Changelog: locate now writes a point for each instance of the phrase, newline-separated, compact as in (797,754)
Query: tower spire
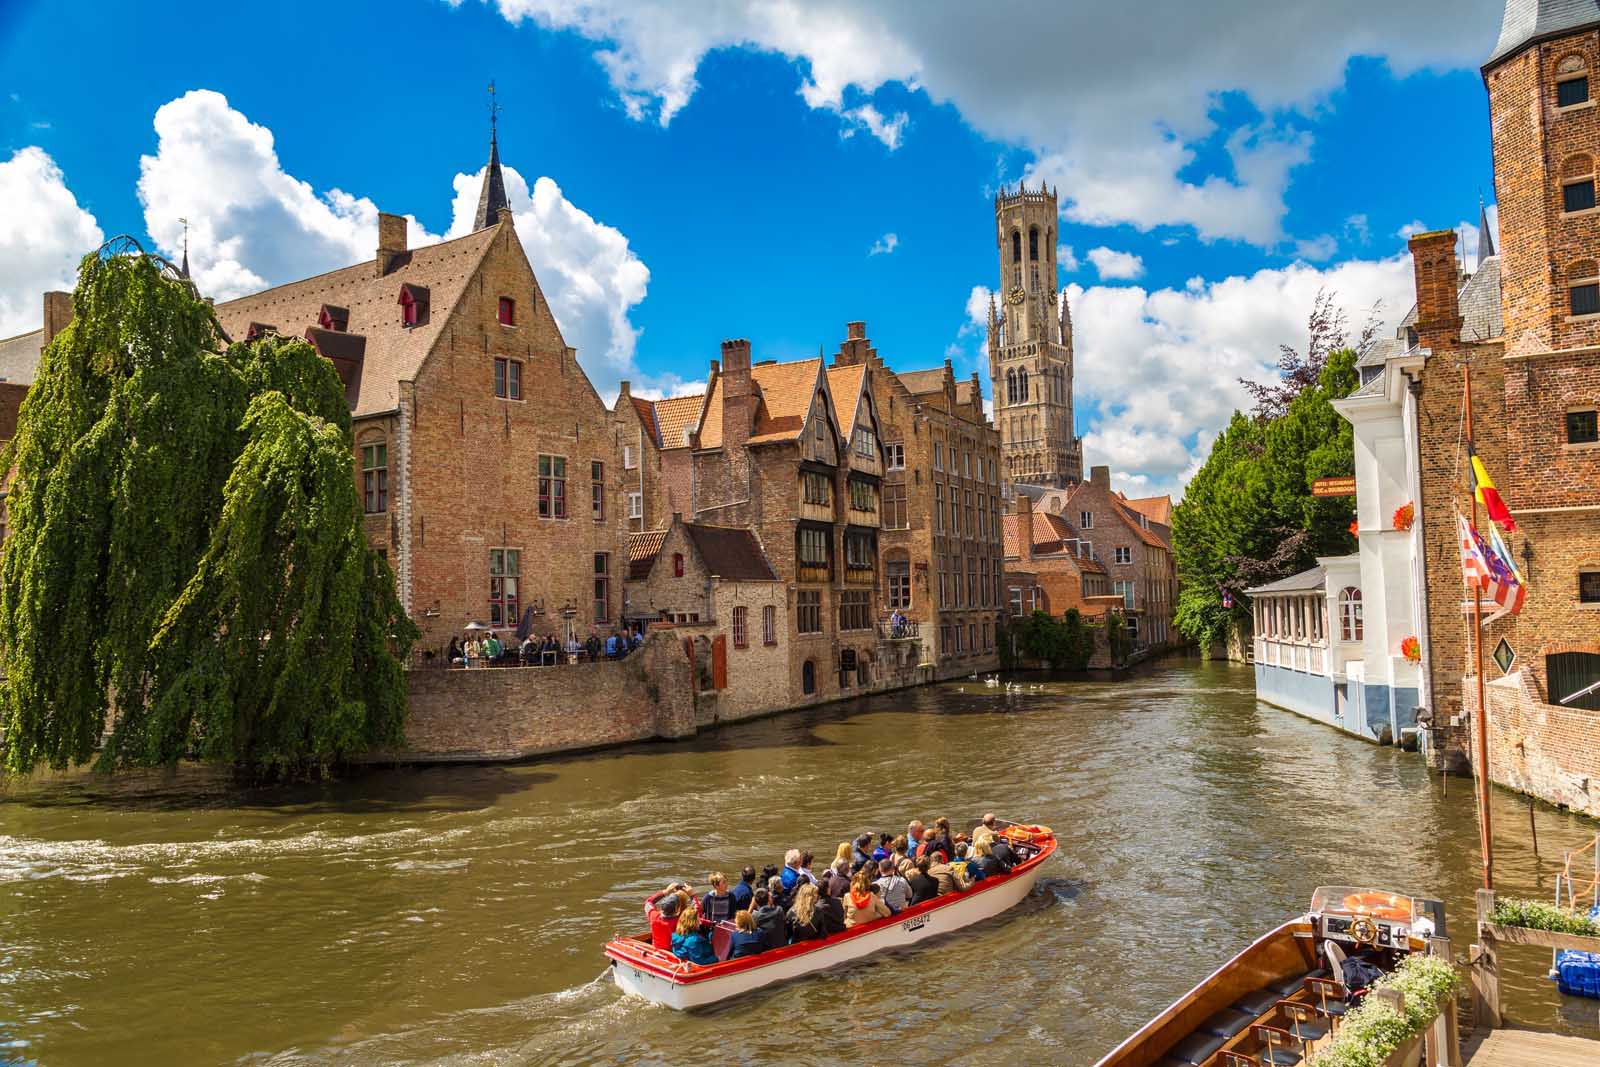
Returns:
(1485,238)
(183,269)
(493,196)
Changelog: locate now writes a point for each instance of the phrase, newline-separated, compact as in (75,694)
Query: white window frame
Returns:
(629,460)
(1123,554)
(1085,520)
(635,505)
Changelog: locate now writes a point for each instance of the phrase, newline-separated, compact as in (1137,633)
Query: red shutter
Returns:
(719,662)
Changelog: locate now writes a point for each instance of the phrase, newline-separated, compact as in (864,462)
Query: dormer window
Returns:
(333,317)
(258,330)
(413,305)
(508,311)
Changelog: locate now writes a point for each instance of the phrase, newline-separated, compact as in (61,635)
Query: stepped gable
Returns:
(730,553)
(393,352)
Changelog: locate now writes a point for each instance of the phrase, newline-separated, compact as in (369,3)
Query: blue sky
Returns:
(725,168)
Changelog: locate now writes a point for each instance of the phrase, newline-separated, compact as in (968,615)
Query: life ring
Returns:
(1389,906)
(1026,833)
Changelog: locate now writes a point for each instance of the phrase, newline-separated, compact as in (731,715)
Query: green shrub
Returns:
(1537,915)
(1371,1033)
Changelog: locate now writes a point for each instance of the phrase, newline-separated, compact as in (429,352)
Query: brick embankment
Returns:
(1545,750)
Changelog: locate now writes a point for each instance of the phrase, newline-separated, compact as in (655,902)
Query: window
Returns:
(1033,242)
(1582,428)
(1572,91)
(808,613)
(552,487)
(1085,520)
(811,551)
(983,516)
(602,586)
(375,478)
(861,496)
(1589,587)
(1124,590)
(955,511)
(897,573)
(505,569)
(938,456)
(972,637)
(508,378)
(1016,246)
(1038,598)
(628,460)
(855,610)
(769,625)
(1578,195)
(859,551)
(1350,614)
(897,456)
(866,443)
(808,677)
(1124,555)
(815,488)
(597,490)
(895,514)
(1016,601)
(677,564)
(988,636)
(1571,673)
(1584,288)
(413,305)
(741,624)
(938,507)
(508,311)
(635,505)
(972,581)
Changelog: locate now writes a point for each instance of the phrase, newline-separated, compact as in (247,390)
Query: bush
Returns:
(1064,644)
(1372,1032)
(1537,915)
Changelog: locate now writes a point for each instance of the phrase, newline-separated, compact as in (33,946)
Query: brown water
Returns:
(456,915)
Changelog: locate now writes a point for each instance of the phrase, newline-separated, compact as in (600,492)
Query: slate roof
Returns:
(783,392)
(1378,352)
(19,357)
(1480,303)
(394,352)
(642,551)
(730,553)
(1304,582)
(1529,21)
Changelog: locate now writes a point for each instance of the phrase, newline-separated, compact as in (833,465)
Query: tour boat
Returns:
(1275,1001)
(643,970)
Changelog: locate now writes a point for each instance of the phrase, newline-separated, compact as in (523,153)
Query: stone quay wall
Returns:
(1545,750)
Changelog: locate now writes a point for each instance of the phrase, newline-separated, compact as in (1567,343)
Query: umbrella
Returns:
(477,627)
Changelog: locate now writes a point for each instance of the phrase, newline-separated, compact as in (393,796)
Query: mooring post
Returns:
(1485,968)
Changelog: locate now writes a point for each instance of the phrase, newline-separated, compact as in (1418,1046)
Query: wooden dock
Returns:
(1529,1048)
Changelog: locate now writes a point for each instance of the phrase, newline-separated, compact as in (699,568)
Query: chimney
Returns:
(1024,526)
(57,313)
(856,349)
(1100,476)
(855,331)
(1433,259)
(391,239)
(738,405)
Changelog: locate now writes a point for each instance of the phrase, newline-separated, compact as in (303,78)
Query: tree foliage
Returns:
(186,565)
(1248,516)
(1064,644)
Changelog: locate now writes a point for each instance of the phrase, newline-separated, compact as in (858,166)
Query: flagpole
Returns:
(1485,835)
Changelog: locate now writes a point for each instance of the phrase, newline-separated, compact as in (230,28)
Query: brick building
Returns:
(1051,567)
(940,540)
(657,471)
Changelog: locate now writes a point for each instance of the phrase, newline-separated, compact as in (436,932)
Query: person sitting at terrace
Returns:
(494,648)
(744,889)
(593,646)
(746,941)
(718,905)
(690,943)
(637,639)
(769,921)
(896,890)
(923,887)
(885,846)
(863,904)
(528,651)
(661,911)
(804,924)
(613,645)
(572,648)
(456,654)
(861,852)
(950,880)
(790,875)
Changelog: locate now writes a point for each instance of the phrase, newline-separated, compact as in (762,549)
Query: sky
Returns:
(685,171)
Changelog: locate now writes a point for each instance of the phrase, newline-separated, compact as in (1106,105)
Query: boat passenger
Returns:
(804,924)
(862,904)
(964,863)
(885,846)
(939,839)
(987,825)
(904,862)
(718,905)
(690,943)
(896,890)
(950,880)
(1004,853)
(836,879)
(923,887)
(914,838)
(661,909)
(775,891)
(807,858)
(769,921)
(830,913)
(861,852)
(744,890)
(790,875)
(986,861)
(745,940)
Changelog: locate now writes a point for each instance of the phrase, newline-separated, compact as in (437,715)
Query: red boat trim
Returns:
(663,964)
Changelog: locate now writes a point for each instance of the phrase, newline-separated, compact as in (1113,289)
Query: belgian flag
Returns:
(1483,488)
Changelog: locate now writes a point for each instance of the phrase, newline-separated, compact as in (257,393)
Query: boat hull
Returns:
(644,973)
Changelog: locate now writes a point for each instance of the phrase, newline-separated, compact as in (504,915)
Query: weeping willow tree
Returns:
(186,573)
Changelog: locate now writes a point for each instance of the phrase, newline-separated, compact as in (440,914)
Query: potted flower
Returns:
(1404,516)
(1411,649)
(1355,527)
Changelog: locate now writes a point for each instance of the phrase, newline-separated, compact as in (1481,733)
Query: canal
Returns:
(456,915)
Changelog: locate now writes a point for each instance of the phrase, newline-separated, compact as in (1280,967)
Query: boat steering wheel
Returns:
(1363,930)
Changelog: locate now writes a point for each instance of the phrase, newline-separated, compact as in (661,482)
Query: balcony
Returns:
(904,631)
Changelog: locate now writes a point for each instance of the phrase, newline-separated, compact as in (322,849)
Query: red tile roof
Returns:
(676,418)
(783,392)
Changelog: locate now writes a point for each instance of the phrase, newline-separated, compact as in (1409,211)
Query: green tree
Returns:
(186,564)
(1064,644)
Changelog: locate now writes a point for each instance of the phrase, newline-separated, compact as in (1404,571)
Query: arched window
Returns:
(1022,385)
(1350,614)
(1011,386)
(1033,243)
(1572,81)
(1577,183)
(808,677)
(1016,246)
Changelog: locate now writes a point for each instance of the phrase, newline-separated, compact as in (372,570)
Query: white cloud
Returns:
(1114,265)
(1111,103)
(43,234)
(1066,259)
(1411,229)
(979,301)
(1358,229)
(884,245)
(1317,249)
(869,118)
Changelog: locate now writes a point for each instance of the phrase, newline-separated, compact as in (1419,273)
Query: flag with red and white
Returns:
(1485,570)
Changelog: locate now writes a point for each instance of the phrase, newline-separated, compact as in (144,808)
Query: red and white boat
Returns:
(646,971)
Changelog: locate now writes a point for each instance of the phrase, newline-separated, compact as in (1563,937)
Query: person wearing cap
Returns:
(661,909)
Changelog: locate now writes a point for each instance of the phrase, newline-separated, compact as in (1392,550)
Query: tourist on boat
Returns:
(861,852)
(776,893)
(661,909)
(835,881)
(914,838)
(863,904)
(718,905)
(830,913)
(950,880)
(790,875)
(769,920)
(963,863)
(904,862)
(1004,853)
(746,941)
(885,846)
(923,887)
(987,824)
(807,858)
(896,891)
(744,889)
(938,839)
(690,943)
(986,861)
(803,922)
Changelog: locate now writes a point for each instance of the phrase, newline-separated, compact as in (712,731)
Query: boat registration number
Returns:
(913,925)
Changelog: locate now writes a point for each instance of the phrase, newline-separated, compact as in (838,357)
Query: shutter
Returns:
(719,662)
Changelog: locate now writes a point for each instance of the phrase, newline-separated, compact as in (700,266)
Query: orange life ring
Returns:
(1389,906)
(1026,833)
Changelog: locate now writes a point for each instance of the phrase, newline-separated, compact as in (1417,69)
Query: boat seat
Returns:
(1196,1048)
(722,939)
(1302,1019)
(1228,1022)
(1171,1061)
(1256,1004)
(1290,986)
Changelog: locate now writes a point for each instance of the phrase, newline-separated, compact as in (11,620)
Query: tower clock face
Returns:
(1016,296)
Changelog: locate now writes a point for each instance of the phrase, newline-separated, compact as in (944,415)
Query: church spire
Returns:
(493,196)
(183,269)
(1485,238)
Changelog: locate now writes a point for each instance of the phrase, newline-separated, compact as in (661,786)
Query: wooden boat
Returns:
(1279,999)
(643,970)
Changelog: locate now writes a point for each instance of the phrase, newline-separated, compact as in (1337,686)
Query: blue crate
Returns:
(1578,973)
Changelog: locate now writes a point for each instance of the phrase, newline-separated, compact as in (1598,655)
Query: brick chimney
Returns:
(57,313)
(1433,259)
(855,349)
(1024,512)
(738,403)
(391,240)
(855,331)
(1100,476)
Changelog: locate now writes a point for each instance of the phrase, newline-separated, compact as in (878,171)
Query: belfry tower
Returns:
(1030,345)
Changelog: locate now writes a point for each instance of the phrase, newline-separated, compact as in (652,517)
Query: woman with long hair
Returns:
(690,942)
(862,904)
(804,922)
(745,941)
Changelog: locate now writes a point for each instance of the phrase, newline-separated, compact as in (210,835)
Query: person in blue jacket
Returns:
(690,943)
(745,941)
(744,890)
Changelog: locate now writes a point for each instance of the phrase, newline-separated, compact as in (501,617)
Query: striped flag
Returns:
(1483,488)
(1484,569)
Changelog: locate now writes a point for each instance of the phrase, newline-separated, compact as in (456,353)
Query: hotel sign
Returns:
(1334,487)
